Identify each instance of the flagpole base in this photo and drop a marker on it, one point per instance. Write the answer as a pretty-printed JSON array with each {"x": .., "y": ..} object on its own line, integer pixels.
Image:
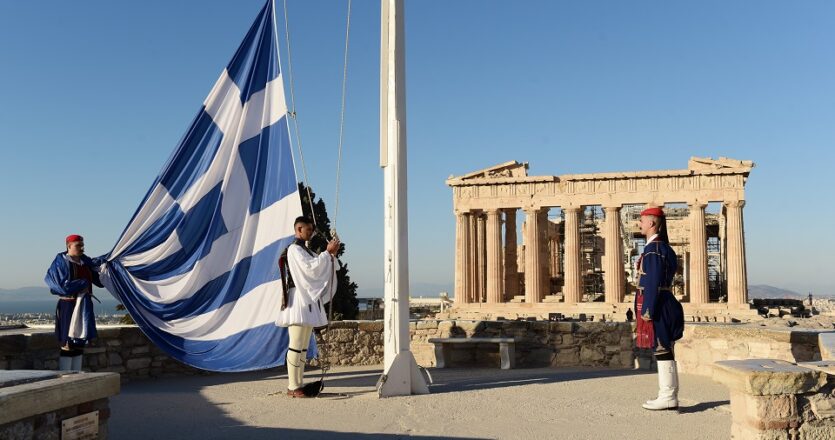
[{"x": 403, "y": 377}]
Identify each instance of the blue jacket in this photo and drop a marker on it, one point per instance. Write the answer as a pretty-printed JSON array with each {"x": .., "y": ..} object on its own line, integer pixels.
[{"x": 658, "y": 267}]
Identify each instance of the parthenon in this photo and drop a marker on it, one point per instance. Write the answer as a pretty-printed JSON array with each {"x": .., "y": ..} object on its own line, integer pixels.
[{"x": 579, "y": 239}]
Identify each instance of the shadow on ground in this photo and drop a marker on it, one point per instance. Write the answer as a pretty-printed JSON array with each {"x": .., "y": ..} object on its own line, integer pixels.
[{"x": 703, "y": 406}]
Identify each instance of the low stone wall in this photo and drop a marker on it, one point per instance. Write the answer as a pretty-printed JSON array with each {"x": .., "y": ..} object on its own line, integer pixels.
[
  {"x": 704, "y": 344},
  {"x": 538, "y": 343},
  {"x": 774, "y": 399},
  {"x": 118, "y": 349},
  {"x": 125, "y": 350}
]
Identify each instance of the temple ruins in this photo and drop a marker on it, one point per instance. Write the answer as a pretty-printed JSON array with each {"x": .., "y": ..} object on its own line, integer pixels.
[{"x": 530, "y": 246}]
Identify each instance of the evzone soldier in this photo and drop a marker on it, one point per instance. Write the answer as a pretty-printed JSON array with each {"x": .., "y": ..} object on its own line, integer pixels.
[
  {"x": 71, "y": 277},
  {"x": 660, "y": 316},
  {"x": 308, "y": 282}
]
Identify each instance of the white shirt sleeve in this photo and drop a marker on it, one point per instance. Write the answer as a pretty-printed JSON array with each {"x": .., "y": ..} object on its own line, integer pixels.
[{"x": 314, "y": 276}]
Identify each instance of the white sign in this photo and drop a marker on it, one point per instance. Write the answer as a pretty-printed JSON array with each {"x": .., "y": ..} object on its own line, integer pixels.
[{"x": 83, "y": 427}]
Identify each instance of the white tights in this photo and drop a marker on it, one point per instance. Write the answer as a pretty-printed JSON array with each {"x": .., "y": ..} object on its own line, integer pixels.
[{"x": 299, "y": 341}]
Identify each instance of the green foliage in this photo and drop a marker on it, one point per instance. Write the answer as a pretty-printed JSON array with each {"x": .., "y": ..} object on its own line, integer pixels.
[
  {"x": 127, "y": 320},
  {"x": 345, "y": 305}
]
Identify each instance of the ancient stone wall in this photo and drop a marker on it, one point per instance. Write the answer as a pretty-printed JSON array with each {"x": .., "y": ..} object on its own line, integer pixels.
[
  {"x": 539, "y": 343},
  {"x": 125, "y": 349},
  {"x": 704, "y": 344},
  {"x": 119, "y": 349}
]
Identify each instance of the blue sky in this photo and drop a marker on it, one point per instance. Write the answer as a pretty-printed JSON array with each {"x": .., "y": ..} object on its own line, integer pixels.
[{"x": 96, "y": 95}]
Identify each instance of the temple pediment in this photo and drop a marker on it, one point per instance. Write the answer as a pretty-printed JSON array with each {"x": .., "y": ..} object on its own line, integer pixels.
[
  {"x": 507, "y": 169},
  {"x": 708, "y": 163},
  {"x": 503, "y": 172}
]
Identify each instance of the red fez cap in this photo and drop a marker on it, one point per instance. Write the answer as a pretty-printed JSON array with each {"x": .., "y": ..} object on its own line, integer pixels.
[
  {"x": 656, "y": 211},
  {"x": 74, "y": 237}
]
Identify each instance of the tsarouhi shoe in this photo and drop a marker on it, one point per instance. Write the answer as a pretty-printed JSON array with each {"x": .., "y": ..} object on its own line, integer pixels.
[
  {"x": 298, "y": 392},
  {"x": 313, "y": 388}
]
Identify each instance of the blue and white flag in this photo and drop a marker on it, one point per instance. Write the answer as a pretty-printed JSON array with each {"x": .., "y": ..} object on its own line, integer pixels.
[{"x": 196, "y": 267}]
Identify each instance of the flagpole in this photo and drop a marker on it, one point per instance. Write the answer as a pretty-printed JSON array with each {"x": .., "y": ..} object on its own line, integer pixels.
[{"x": 401, "y": 375}]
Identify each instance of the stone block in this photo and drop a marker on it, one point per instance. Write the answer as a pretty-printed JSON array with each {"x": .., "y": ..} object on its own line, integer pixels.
[
  {"x": 627, "y": 358},
  {"x": 41, "y": 341},
  {"x": 94, "y": 350},
  {"x": 142, "y": 349},
  {"x": 12, "y": 344},
  {"x": 114, "y": 359},
  {"x": 816, "y": 432},
  {"x": 138, "y": 363},
  {"x": 567, "y": 339},
  {"x": 823, "y": 406},
  {"x": 569, "y": 356},
  {"x": 591, "y": 355},
  {"x": 353, "y": 325},
  {"x": 827, "y": 367},
  {"x": 370, "y": 326},
  {"x": 826, "y": 342},
  {"x": 767, "y": 376},
  {"x": 445, "y": 326},
  {"x": 766, "y": 412},
  {"x": 541, "y": 357},
  {"x": 113, "y": 342},
  {"x": 109, "y": 333},
  {"x": 470, "y": 327},
  {"x": 742, "y": 432},
  {"x": 22, "y": 430},
  {"x": 427, "y": 325}
]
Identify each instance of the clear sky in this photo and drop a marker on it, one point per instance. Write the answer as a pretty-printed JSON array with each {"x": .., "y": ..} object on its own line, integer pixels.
[{"x": 96, "y": 94}]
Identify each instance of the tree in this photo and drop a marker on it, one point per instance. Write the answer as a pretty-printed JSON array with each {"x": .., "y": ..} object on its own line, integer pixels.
[{"x": 345, "y": 304}]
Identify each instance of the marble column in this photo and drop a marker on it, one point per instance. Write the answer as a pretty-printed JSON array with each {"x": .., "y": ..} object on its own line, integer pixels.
[
  {"x": 511, "y": 270},
  {"x": 737, "y": 272},
  {"x": 554, "y": 249},
  {"x": 533, "y": 268},
  {"x": 614, "y": 283},
  {"x": 472, "y": 293},
  {"x": 544, "y": 257},
  {"x": 699, "y": 292},
  {"x": 572, "y": 289},
  {"x": 482, "y": 258},
  {"x": 495, "y": 284},
  {"x": 462, "y": 257}
]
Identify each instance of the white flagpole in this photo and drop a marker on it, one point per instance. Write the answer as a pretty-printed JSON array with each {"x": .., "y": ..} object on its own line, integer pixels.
[{"x": 400, "y": 374}]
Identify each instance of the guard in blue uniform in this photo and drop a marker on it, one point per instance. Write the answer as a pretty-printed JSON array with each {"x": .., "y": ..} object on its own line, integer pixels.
[
  {"x": 71, "y": 277},
  {"x": 659, "y": 307}
]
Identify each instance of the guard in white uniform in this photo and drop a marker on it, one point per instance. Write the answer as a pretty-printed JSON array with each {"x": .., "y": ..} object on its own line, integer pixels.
[{"x": 308, "y": 282}]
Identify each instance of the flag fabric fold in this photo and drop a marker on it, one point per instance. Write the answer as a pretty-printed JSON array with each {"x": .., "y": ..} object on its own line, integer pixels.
[{"x": 196, "y": 267}]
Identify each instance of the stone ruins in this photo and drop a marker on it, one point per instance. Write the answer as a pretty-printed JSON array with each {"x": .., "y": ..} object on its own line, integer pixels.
[{"x": 580, "y": 240}]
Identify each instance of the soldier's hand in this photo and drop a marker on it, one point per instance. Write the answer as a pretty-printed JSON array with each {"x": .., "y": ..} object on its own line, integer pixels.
[{"x": 333, "y": 246}]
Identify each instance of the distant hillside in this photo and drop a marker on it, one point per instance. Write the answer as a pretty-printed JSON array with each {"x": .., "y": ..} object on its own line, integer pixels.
[
  {"x": 26, "y": 294},
  {"x": 39, "y": 300},
  {"x": 764, "y": 291}
]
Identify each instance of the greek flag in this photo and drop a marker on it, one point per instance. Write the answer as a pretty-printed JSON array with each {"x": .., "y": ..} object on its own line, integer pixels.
[{"x": 196, "y": 267}]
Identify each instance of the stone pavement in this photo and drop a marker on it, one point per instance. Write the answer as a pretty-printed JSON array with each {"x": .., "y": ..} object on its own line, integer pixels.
[{"x": 466, "y": 403}]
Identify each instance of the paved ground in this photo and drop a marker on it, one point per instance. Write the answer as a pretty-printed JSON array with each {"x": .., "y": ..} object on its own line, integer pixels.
[{"x": 464, "y": 404}]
